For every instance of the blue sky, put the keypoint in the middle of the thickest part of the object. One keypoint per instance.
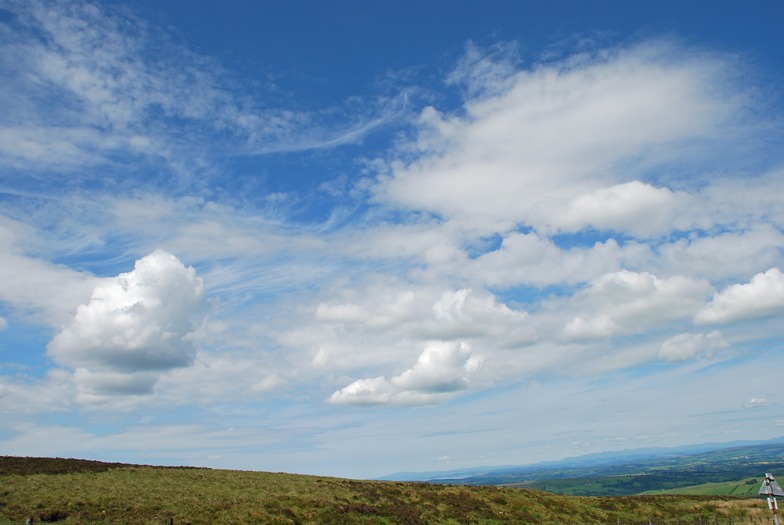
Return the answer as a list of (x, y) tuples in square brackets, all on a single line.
[(355, 238)]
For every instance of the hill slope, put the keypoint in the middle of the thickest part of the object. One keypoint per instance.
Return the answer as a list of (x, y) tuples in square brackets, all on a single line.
[(67, 491)]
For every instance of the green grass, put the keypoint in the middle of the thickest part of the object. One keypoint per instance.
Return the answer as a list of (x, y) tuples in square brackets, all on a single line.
[(747, 488), (92, 493)]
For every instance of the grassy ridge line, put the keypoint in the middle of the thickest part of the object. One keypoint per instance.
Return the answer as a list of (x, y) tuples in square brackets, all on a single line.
[(146, 495), (27, 465)]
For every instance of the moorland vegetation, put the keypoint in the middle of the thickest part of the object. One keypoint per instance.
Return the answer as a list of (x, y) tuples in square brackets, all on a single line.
[(70, 491)]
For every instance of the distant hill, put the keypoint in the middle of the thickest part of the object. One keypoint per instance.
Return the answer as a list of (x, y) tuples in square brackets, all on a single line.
[(26, 466), (631, 472)]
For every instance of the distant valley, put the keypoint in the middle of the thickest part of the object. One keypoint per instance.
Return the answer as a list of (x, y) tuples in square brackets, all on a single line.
[(729, 469)]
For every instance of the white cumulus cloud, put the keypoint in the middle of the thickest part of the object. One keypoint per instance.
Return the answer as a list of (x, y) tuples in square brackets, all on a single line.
[(562, 136), (636, 207), (442, 370), (763, 296), (135, 327), (463, 313), (528, 258), (626, 302)]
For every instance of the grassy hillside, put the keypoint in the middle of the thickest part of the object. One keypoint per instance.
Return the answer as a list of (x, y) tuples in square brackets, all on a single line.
[(72, 491)]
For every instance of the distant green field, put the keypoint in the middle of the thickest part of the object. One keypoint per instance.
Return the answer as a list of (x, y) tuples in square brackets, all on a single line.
[(638, 484), (744, 488)]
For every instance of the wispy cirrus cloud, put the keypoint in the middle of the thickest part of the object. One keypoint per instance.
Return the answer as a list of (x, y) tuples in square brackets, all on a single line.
[(34, 285), (93, 87), (758, 402), (559, 133), (685, 346)]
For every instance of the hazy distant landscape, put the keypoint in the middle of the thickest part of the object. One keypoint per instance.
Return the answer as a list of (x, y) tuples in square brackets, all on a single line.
[(732, 470)]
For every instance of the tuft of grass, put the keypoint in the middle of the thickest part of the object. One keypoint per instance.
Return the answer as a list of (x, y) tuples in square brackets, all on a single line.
[(58, 491)]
